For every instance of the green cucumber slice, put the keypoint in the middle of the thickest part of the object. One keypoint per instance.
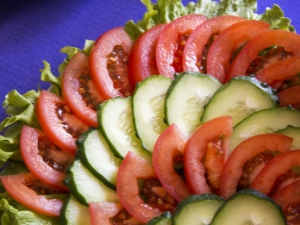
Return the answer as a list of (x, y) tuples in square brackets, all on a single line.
[(148, 109), (165, 219), (249, 207), (116, 123), (264, 121), (85, 187), (243, 95), (197, 209), (96, 155), (293, 132), (74, 213), (186, 98)]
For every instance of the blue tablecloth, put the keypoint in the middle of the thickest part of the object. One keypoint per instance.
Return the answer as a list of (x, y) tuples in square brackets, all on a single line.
[(35, 30)]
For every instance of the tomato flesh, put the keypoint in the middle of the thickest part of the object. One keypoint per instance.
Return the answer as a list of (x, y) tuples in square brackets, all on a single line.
[(241, 166), (133, 169), (231, 40), (200, 41), (210, 138), (60, 125), (79, 91), (44, 159), (168, 151), (109, 63), (24, 187), (171, 42)]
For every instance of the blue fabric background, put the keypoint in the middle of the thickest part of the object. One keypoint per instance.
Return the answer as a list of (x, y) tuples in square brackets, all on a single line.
[(35, 30)]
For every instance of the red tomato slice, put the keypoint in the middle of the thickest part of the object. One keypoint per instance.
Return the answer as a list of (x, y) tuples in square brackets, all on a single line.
[(290, 97), (171, 42), (246, 150), (277, 173), (280, 71), (199, 42), (289, 199), (168, 151), (109, 63), (228, 42), (61, 126), (17, 187), (107, 213), (46, 161), (142, 60), (206, 152), (79, 91), (289, 40), (132, 170)]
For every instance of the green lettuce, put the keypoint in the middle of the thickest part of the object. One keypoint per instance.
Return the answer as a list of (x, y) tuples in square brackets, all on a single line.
[(165, 11)]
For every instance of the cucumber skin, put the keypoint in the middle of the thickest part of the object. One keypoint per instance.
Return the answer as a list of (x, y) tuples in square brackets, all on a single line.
[(251, 192), (165, 219), (83, 158)]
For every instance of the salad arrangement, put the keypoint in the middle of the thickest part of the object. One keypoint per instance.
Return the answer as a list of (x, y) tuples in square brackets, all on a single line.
[(215, 129)]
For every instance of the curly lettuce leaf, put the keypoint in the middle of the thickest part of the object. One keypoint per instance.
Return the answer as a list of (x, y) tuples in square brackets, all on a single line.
[(166, 11)]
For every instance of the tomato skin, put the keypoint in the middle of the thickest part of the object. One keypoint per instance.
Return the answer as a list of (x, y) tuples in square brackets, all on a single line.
[(233, 167), (15, 187), (34, 161), (196, 148), (46, 107), (167, 41), (71, 85), (131, 169), (200, 36), (279, 71), (228, 42), (278, 166), (168, 147), (98, 62), (289, 40), (142, 60), (290, 96)]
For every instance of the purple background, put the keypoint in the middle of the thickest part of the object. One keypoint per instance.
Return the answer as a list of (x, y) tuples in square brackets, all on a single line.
[(35, 30)]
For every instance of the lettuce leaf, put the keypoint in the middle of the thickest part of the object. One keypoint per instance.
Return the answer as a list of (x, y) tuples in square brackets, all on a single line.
[(165, 11)]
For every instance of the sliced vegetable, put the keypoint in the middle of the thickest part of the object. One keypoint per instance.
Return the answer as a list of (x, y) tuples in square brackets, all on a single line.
[(290, 97)]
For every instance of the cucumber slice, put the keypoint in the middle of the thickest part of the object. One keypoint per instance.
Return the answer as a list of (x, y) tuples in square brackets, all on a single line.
[(243, 95), (74, 213), (165, 219), (264, 121), (186, 98), (293, 132), (197, 209), (96, 155), (116, 123), (249, 207), (148, 109), (86, 187)]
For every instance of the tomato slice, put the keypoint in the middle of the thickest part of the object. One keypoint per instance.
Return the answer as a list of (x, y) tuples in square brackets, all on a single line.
[(279, 172), (205, 153), (199, 42), (171, 43), (234, 167), (280, 71), (107, 213), (228, 43), (132, 171), (18, 187), (109, 63), (168, 151), (289, 199), (290, 97), (44, 159), (142, 60), (60, 125), (79, 91), (288, 40)]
